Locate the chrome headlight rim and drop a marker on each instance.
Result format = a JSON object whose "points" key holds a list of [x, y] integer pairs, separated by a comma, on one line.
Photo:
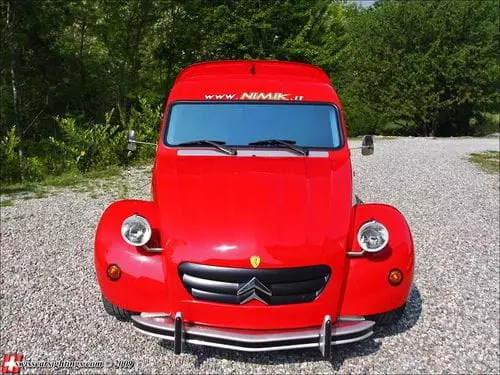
{"points": [[136, 220], [380, 227]]}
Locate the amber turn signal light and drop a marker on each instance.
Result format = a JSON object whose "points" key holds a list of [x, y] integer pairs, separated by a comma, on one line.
{"points": [[395, 277], [114, 272]]}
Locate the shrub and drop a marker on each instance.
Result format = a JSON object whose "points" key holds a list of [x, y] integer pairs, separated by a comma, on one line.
{"points": [[403, 128], [146, 123], [82, 147], [55, 155], [16, 162], [10, 167], [360, 118], [95, 146], [484, 123]]}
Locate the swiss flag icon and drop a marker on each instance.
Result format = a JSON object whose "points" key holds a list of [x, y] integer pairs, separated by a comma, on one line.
{"points": [[10, 363]]}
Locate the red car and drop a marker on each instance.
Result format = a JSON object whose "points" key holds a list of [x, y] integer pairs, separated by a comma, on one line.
{"points": [[254, 239]]}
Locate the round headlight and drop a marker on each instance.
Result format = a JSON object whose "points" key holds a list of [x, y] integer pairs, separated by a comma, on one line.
{"points": [[136, 230], [373, 236]]}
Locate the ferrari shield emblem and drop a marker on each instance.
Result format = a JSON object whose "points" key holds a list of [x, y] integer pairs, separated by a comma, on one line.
{"points": [[255, 261]]}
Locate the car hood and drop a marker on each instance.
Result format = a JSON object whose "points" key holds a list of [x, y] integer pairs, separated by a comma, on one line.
{"points": [[220, 210]]}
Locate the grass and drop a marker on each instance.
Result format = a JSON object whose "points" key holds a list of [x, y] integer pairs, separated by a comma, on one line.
{"points": [[76, 180], [488, 161], [17, 188], [6, 203]]}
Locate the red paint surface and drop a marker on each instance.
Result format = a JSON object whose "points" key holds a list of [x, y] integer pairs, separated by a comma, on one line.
{"points": [[220, 210]]}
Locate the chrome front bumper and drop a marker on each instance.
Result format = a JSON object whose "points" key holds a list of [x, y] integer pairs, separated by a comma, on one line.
{"points": [[344, 330]]}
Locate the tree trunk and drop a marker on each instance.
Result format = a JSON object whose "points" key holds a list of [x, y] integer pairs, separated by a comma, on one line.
{"points": [[12, 52], [171, 49], [141, 21], [83, 29], [15, 97], [422, 125], [433, 131], [122, 83]]}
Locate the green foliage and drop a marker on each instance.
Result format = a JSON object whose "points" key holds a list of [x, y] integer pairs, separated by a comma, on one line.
{"points": [[146, 123], [322, 40], [401, 128], [81, 148], [483, 123], [361, 118], [432, 63], [9, 157], [76, 75], [94, 146], [16, 166]]}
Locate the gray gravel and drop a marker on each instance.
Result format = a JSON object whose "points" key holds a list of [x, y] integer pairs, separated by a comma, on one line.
{"points": [[50, 306]]}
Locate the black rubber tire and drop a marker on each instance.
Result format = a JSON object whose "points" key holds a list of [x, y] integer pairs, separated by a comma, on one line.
{"points": [[387, 318], [116, 311]]}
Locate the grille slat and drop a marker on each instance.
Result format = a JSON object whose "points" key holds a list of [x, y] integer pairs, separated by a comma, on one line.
{"points": [[215, 297], [276, 286], [210, 285], [288, 289], [297, 298]]}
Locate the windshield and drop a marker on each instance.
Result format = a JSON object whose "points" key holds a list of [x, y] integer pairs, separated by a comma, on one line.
{"points": [[238, 124]]}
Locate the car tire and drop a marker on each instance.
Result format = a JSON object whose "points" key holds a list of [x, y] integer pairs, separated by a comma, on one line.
{"points": [[387, 318], [116, 311]]}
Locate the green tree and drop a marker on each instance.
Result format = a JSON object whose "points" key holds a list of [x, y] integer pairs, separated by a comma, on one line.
{"points": [[425, 67], [431, 63]]}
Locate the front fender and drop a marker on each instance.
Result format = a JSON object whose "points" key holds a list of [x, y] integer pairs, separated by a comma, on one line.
{"points": [[142, 286], [366, 289]]}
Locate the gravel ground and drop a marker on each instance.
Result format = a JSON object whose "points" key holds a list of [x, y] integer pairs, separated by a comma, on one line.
{"points": [[50, 301]]}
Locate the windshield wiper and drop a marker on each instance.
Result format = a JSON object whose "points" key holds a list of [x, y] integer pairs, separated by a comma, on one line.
{"points": [[281, 142], [215, 144]]}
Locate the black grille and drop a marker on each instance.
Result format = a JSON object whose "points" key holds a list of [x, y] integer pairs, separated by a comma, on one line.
{"points": [[277, 286]]}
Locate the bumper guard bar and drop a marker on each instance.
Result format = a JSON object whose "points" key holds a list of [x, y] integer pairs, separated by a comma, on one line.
{"points": [[343, 331]]}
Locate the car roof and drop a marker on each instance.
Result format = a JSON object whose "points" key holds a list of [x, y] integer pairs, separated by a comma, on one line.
{"points": [[232, 79], [228, 69]]}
